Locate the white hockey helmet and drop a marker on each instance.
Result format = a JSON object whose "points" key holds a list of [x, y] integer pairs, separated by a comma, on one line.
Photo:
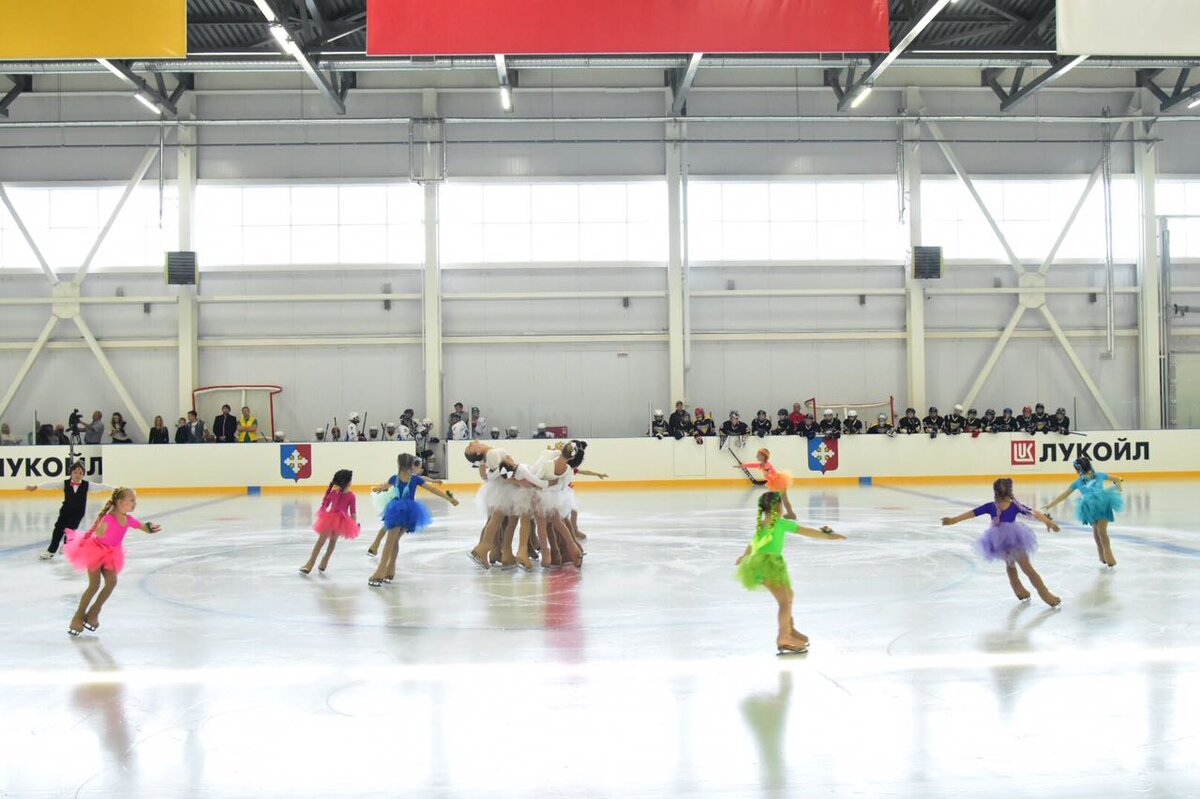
{"points": [[658, 413], [828, 412], [852, 413], [958, 408]]}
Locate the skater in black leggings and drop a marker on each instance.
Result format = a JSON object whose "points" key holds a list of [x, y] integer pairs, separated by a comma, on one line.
{"points": [[74, 507]]}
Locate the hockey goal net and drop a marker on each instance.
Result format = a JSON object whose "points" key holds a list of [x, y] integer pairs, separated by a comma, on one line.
{"points": [[868, 412], [207, 402]]}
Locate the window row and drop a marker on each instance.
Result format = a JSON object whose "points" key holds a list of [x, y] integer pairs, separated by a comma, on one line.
{"points": [[802, 220]]}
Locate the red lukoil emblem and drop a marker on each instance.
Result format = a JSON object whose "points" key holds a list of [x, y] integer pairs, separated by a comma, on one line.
{"points": [[1024, 453]]}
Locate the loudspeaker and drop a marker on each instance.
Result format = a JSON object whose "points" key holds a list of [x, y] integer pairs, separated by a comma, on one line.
{"points": [[927, 263], [181, 268]]}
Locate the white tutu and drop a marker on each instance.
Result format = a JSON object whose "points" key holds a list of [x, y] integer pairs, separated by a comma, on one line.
{"points": [[497, 495], [520, 500], [554, 502]]}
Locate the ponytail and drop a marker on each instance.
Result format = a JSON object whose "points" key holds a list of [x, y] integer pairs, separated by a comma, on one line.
{"points": [[108, 506]]}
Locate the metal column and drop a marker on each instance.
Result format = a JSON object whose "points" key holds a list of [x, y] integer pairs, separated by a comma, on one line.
{"points": [[676, 288], [914, 302], [1151, 346], [431, 283], [188, 309]]}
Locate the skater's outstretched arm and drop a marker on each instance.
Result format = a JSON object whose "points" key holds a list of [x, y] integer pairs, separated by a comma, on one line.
{"points": [[1117, 481], [601, 475], [1044, 519], [799, 529], [1058, 499], [437, 492], [962, 517]]}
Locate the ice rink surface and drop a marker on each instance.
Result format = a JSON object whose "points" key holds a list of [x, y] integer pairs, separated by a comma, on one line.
{"points": [[218, 671]]}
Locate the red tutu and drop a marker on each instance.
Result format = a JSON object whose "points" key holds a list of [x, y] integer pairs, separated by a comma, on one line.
{"points": [[336, 524], [88, 553]]}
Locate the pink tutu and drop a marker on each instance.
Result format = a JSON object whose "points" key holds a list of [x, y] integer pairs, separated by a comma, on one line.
{"points": [[336, 524], [88, 553]]}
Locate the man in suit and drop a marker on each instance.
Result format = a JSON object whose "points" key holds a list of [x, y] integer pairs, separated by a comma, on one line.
{"points": [[195, 428], [225, 426]]}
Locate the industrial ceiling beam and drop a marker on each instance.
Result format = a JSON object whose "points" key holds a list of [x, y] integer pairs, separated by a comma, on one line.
{"points": [[1018, 93], [287, 39], [154, 99], [682, 80], [507, 80], [21, 84], [1178, 96], [857, 91]]}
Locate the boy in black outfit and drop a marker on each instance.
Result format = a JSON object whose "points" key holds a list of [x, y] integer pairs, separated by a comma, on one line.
{"points": [[761, 426], [910, 423], [783, 425]]}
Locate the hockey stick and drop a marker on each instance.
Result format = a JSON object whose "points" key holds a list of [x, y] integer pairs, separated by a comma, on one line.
{"points": [[744, 470]]}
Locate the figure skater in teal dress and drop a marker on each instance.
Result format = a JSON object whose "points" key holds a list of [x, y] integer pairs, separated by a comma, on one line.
{"points": [[762, 564], [1097, 505]]}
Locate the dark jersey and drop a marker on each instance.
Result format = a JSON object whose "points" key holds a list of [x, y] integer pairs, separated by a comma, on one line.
{"points": [[954, 424], [1005, 425], [909, 425], [658, 428], [730, 428], [879, 428], [932, 422], [831, 427], [1041, 423], [761, 427], [675, 423], [1060, 424], [852, 426], [809, 429], [704, 427], [1025, 424], [783, 427]]}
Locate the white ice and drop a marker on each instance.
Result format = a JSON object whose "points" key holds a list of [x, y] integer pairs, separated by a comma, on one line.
{"points": [[218, 671]]}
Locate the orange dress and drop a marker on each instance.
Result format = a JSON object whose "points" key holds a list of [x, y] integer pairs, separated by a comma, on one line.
{"points": [[776, 480]]}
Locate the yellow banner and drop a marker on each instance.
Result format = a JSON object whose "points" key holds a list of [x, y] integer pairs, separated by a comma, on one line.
{"points": [[70, 29]]}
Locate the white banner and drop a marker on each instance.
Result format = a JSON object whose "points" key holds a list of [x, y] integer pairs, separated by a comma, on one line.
{"points": [[1129, 27]]}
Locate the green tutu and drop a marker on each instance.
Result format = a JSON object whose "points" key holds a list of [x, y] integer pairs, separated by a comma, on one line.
{"points": [[763, 567]]}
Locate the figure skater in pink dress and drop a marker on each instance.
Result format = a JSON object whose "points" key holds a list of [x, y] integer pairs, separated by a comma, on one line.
{"points": [[1010, 540], [100, 552], [336, 518], [777, 481]]}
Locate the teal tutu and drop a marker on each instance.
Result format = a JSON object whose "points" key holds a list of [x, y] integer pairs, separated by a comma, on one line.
{"points": [[763, 567], [1101, 506]]}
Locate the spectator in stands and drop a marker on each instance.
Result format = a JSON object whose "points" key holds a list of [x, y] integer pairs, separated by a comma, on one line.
{"points": [[1007, 423], [989, 421], [761, 426], [853, 425], [783, 424], [542, 432], [797, 415], [734, 427], [159, 434], [974, 424], [703, 425], [683, 426], [1061, 423], [512, 432], [954, 423], [910, 424], [182, 434], [44, 437], [831, 426], [1040, 422], [458, 428], [658, 426], [408, 419], [478, 423], [224, 427], [195, 428], [116, 430], [809, 427], [675, 423], [389, 432], [881, 427], [93, 432], [60, 433], [353, 433], [1025, 420], [932, 423], [334, 434], [456, 416], [495, 433], [7, 439], [279, 437], [319, 434], [247, 427]]}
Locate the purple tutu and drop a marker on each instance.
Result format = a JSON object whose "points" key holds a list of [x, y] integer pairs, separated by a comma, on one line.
{"points": [[1007, 541]]}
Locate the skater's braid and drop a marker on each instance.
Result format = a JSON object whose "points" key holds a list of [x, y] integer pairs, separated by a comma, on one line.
{"points": [[767, 504], [117, 494], [1003, 488], [341, 479]]}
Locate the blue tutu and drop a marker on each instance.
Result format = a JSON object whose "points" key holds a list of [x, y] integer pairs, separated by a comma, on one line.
{"points": [[410, 514], [1100, 505], [1007, 541]]}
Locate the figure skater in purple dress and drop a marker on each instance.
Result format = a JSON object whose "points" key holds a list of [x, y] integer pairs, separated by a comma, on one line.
{"points": [[1010, 540]]}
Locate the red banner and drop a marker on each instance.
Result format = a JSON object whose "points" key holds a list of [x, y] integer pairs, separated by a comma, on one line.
{"points": [[585, 27]]}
